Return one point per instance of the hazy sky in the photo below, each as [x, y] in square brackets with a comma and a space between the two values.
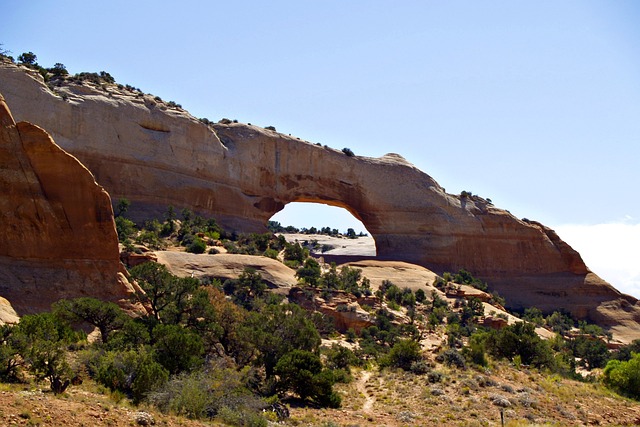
[535, 105]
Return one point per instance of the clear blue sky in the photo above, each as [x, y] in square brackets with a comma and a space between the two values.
[535, 105]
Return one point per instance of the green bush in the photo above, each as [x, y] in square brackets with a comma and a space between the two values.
[133, 372]
[177, 349]
[624, 376]
[41, 340]
[197, 246]
[521, 339]
[125, 227]
[9, 357]
[341, 357]
[403, 354]
[301, 371]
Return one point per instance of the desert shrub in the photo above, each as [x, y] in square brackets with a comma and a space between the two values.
[533, 315]
[177, 349]
[452, 357]
[420, 367]
[9, 357]
[310, 272]
[348, 152]
[166, 294]
[435, 377]
[475, 352]
[593, 352]
[270, 253]
[521, 339]
[559, 322]
[206, 394]
[197, 246]
[41, 340]
[466, 278]
[626, 352]
[301, 372]
[246, 289]
[133, 334]
[341, 357]
[624, 376]
[279, 329]
[125, 227]
[296, 253]
[403, 354]
[133, 372]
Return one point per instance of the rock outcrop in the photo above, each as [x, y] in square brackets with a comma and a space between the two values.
[157, 155]
[276, 275]
[341, 306]
[7, 313]
[57, 234]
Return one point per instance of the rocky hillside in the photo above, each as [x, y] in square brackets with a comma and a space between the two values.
[155, 154]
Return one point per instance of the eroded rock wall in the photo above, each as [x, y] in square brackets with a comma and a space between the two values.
[57, 234]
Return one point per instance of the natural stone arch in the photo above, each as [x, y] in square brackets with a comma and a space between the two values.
[158, 156]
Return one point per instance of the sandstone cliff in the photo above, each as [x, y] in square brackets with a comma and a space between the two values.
[156, 156]
[58, 237]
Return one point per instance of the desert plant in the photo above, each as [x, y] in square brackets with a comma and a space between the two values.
[624, 376]
[106, 316]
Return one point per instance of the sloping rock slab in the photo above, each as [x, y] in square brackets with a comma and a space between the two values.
[228, 266]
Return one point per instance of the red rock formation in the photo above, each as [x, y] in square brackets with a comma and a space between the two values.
[57, 238]
[342, 307]
[158, 156]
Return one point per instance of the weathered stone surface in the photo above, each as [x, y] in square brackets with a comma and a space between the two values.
[158, 156]
[227, 266]
[58, 237]
[7, 313]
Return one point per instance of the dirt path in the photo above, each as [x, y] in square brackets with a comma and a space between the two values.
[361, 385]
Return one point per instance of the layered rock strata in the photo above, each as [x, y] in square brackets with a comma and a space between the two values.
[57, 233]
[157, 155]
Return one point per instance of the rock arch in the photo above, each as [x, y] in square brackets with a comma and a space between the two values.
[244, 174]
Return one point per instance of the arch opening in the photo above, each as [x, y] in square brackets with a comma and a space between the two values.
[327, 230]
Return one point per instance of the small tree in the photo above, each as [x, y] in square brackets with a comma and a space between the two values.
[58, 70]
[310, 272]
[40, 339]
[122, 207]
[177, 349]
[301, 372]
[106, 316]
[28, 58]
[403, 354]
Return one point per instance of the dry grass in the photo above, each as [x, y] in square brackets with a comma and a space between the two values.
[471, 398]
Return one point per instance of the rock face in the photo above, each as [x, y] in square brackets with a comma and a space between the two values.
[342, 307]
[157, 156]
[57, 238]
